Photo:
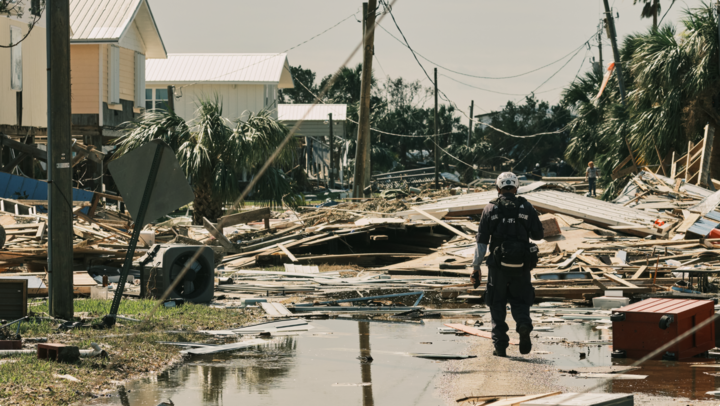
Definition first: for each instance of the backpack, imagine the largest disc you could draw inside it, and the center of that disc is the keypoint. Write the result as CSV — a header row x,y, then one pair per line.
x,y
512,254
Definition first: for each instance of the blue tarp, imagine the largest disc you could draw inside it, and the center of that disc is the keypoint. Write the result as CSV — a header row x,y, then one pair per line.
x,y
20,187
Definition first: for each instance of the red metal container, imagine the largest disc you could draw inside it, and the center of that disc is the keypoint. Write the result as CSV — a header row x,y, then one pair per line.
x,y
643,327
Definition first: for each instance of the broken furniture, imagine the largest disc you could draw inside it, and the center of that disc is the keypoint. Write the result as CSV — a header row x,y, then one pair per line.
x,y
644,327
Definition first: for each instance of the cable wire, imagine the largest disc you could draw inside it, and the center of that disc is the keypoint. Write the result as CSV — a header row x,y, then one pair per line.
x,y
274,55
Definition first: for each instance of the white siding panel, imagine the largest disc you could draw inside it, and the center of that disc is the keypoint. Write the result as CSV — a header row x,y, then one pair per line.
x,y
133,40
294,112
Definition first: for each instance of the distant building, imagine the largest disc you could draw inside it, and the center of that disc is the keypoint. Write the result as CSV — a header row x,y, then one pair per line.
x,y
315,129
242,82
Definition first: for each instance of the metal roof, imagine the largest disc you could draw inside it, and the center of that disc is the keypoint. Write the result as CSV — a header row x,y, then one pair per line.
x,y
296,112
106,21
220,68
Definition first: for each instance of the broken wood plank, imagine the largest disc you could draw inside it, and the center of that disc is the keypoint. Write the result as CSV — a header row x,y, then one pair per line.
x,y
476,332
287,252
217,234
444,224
619,280
244,217
639,272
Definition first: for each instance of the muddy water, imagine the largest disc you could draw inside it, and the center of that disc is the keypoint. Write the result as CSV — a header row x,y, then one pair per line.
x,y
319,367
665,378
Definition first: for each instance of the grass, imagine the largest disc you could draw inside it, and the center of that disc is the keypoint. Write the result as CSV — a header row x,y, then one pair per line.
x,y
132,347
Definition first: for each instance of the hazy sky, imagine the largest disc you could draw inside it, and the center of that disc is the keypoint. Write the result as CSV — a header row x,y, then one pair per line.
x,y
478,37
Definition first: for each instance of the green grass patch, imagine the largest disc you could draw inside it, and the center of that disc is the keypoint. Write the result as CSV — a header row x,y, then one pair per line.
x,y
133,349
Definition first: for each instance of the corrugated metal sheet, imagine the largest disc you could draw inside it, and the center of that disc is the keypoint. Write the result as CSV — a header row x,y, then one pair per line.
x,y
224,68
703,226
713,215
317,128
296,112
592,210
101,19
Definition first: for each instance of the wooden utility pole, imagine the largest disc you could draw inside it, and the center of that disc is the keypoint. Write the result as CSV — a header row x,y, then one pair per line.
x,y
171,99
59,121
616,53
470,126
332,154
435,149
362,150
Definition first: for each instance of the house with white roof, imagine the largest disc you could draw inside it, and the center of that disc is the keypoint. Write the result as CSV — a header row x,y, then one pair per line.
x,y
242,82
109,43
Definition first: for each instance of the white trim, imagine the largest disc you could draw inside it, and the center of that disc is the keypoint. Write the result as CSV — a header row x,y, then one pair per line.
x,y
139,80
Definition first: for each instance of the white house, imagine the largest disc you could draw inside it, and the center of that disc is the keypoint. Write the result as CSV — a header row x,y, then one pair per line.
x,y
243,82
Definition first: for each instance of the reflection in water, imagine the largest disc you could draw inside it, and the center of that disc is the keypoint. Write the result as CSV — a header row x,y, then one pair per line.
x,y
364,331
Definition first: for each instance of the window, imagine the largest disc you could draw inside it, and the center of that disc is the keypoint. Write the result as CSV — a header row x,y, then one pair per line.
x,y
161,99
114,75
16,77
148,99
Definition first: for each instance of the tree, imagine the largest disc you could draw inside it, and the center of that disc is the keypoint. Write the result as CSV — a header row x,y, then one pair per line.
x,y
531,117
651,8
214,151
299,94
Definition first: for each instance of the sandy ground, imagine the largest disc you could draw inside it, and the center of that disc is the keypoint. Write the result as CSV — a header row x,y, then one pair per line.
x,y
488,375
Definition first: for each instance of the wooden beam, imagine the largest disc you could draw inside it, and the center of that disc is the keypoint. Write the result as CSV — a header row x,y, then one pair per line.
x,y
619,280
444,224
639,272
217,234
15,161
32,151
287,252
244,217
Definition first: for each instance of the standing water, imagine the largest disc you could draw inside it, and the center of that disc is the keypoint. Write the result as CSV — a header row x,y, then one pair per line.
x,y
327,365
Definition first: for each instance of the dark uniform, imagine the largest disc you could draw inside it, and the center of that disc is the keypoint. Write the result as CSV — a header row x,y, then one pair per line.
x,y
505,286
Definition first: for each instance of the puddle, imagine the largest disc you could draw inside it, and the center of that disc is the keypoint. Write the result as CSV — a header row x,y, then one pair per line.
x,y
665,378
321,365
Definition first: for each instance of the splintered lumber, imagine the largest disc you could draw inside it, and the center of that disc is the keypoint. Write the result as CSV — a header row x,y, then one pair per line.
x,y
520,400
476,332
244,217
444,224
575,292
639,272
217,234
287,252
619,280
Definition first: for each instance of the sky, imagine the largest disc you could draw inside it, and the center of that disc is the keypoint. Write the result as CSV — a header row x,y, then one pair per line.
x,y
490,38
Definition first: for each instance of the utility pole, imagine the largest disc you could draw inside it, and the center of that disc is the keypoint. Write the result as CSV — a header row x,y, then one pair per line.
x,y
171,99
717,7
362,151
616,54
437,164
332,154
59,121
470,126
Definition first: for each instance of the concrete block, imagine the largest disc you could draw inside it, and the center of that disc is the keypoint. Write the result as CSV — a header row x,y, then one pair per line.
x,y
610,302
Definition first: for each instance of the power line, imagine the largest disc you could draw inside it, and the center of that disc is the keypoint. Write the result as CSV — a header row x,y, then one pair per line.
x,y
279,53
484,77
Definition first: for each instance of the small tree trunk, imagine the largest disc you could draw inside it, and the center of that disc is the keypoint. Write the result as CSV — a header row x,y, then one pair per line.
x,y
205,205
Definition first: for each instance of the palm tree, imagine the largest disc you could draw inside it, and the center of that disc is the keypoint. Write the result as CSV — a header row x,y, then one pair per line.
x,y
214,152
651,8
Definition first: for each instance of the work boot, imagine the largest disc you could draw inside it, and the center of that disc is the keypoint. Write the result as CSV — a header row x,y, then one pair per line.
x,y
500,352
525,343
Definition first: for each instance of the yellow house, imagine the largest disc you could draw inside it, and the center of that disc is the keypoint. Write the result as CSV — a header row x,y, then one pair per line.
x,y
23,74
110,41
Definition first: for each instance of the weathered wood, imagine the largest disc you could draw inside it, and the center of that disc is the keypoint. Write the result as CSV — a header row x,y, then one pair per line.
x,y
640,271
444,224
244,217
619,280
217,234
287,252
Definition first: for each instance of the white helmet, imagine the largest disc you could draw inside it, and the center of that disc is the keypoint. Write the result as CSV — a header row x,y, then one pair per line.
x,y
536,165
507,179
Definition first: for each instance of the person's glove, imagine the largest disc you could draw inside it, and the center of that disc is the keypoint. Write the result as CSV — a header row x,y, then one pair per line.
x,y
475,279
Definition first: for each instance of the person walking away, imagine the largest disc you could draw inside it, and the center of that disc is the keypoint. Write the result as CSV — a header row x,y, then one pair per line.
x,y
591,178
537,171
506,225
